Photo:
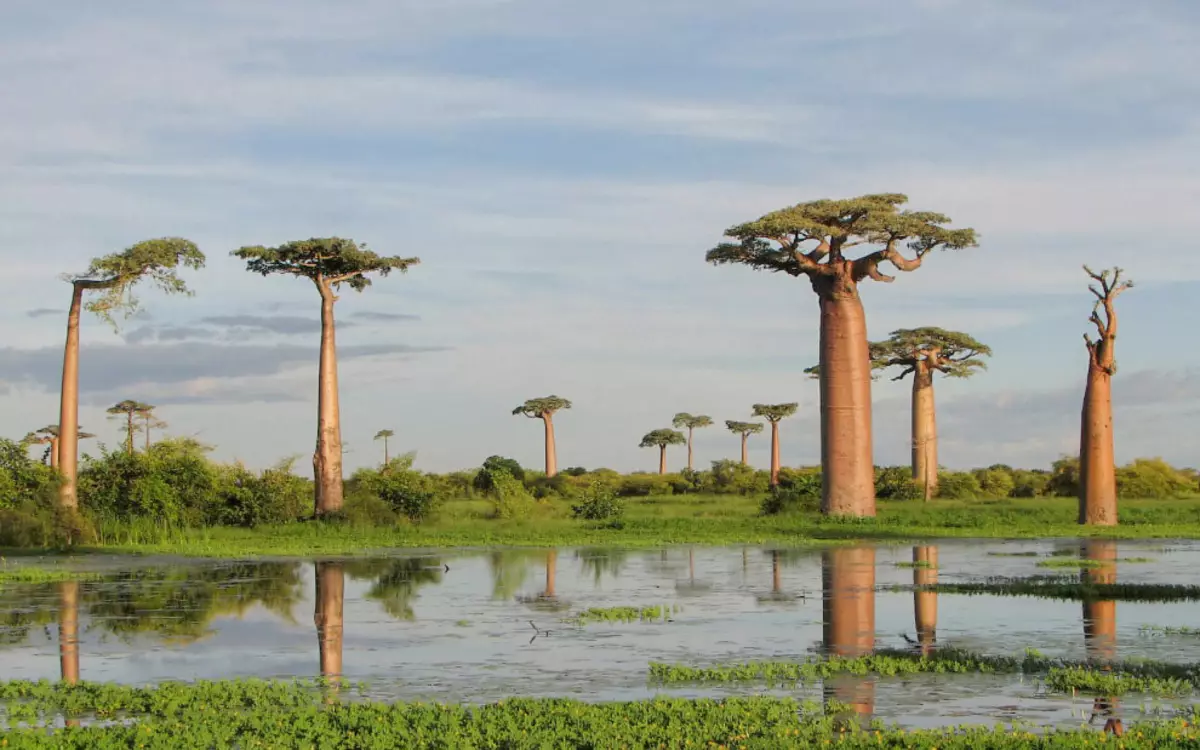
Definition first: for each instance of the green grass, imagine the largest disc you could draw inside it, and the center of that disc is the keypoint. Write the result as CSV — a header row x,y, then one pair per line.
x,y
1066,562
29,574
659,521
920,564
256,713
1168,630
1063,587
651,613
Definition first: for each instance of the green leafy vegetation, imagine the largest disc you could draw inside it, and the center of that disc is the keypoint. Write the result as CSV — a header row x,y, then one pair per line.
x,y
651,613
1070,588
1168,630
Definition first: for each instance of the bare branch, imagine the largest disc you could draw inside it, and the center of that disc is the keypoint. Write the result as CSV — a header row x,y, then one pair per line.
x,y
905,373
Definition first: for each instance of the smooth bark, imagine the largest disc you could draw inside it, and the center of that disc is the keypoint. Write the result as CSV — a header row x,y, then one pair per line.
x,y
925,602
68,413
54,453
328,617
68,631
848,622
551,452
129,433
1097,459
776,573
847,467
774,452
924,429
745,454
662,459
690,431
1100,624
327,459
386,458
551,573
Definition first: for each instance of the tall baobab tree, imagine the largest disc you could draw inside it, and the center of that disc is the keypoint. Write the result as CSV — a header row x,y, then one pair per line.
x,y
661,439
774,413
330,578
149,421
328,262
48,436
745,429
848,621
127,411
691,422
114,277
544,408
779,242
384,435
921,352
1100,622
925,560
1097,460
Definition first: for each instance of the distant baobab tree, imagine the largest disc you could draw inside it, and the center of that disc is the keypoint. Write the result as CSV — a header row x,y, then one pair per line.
x,y
691,422
127,411
328,262
149,421
779,242
48,436
774,413
1097,460
114,277
661,439
745,429
384,435
544,409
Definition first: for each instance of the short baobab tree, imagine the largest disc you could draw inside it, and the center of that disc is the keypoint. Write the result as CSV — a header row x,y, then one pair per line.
x,y
745,429
774,413
661,439
328,262
48,436
384,435
1097,459
544,409
149,421
810,240
113,277
921,352
691,422
127,411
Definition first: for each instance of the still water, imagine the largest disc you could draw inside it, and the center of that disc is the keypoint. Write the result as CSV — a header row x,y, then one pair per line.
x,y
481,625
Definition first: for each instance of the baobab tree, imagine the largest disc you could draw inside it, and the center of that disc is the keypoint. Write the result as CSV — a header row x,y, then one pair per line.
x,y
127,411
779,242
691,422
1097,460
384,435
328,262
774,413
661,439
149,421
48,436
544,408
745,429
921,352
114,277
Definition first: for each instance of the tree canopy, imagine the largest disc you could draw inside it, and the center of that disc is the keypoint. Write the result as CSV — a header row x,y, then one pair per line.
x,y
328,261
117,274
384,434
662,438
778,241
128,407
743,428
775,412
691,421
536,408
950,352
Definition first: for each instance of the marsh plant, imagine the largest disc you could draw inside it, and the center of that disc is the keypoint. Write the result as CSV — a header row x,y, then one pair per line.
x,y
598,503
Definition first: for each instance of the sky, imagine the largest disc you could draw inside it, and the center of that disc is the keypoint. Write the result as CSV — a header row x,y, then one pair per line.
x,y
560,169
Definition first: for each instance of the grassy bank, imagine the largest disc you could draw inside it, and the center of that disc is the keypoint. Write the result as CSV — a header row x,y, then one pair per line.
x,y
263,714
656,521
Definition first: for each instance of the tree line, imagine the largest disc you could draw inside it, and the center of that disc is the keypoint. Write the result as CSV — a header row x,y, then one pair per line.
x,y
810,240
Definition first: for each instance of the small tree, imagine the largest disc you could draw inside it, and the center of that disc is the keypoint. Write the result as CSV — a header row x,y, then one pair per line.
x,y
115,277
48,436
384,435
1097,460
327,262
544,408
149,421
774,413
683,419
745,429
127,411
921,352
779,242
661,439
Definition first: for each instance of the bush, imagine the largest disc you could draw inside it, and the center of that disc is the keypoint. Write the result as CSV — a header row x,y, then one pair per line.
x,y
644,485
958,485
598,503
244,498
1152,478
560,485
1029,483
510,499
362,508
735,478
575,471
406,491
493,464
896,483
1064,478
995,482
22,479
45,527
781,500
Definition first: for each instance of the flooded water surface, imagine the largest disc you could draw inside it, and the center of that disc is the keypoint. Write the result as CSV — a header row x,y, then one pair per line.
x,y
477,626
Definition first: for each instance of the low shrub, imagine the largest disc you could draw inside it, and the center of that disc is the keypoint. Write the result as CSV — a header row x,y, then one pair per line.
x,y
995,482
598,503
1153,478
491,466
958,485
510,499
781,500
896,483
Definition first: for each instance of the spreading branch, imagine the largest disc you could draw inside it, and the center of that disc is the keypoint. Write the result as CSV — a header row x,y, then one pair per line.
x,y
929,349
540,408
1107,286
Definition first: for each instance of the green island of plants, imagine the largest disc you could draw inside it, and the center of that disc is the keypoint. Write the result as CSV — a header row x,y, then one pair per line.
x,y
651,613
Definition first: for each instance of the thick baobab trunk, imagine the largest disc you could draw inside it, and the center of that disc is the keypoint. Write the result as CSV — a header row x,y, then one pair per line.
x,y
847,468
551,573
1097,462
925,602
54,453
924,429
776,573
327,459
774,453
690,431
68,413
551,455
386,458
662,459
1100,624
745,455
330,597
129,433
68,631
848,609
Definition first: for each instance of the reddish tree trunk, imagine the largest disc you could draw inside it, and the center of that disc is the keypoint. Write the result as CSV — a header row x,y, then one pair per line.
x,y
551,572
662,459
776,573
925,602
327,459
386,458
68,414
847,468
551,455
924,430
848,608
129,433
745,455
1097,462
68,631
330,599
690,431
774,453
54,453
1100,623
